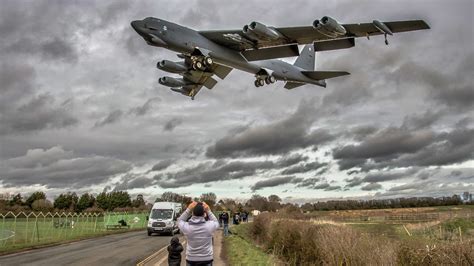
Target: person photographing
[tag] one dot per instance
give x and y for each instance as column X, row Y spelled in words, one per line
column 199, row 232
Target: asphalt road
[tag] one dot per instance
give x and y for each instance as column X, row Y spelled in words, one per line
column 120, row 249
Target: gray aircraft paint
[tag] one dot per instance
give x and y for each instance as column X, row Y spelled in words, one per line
column 186, row 41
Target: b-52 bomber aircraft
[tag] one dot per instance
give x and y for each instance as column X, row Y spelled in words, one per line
column 255, row 48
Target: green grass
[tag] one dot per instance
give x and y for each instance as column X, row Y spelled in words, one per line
column 20, row 233
column 239, row 251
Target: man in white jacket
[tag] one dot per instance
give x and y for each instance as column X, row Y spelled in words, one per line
column 199, row 234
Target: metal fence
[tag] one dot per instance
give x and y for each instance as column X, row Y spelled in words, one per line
column 29, row 229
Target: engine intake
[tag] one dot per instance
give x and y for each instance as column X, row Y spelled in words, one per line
column 257, row 31
column 329, row 27
column 172, row 67
column 172, row 82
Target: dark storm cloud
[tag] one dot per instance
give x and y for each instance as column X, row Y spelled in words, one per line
column 111, row 118
column 353, row 182
column 145, row 108
column 381, row 177
column 37, row 114
column 308, row 182
column 303, row 168
column 422, row 121
column 272, row 182
column 131, row 181
column 50, row 49
column 292, row 159
column 400, row 147
column 171, row 124
column 162, row 165
column 274, row 138
column 326, row 187
column 371, row 187
column 212, row 172
column 57, row 168
column 388, row 142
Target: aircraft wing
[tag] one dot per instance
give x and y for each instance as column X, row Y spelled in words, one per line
column 237, row 40
column 199, row 79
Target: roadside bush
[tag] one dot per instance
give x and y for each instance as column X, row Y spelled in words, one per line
column 303, row 243
column 261, row 227
column 454, row 253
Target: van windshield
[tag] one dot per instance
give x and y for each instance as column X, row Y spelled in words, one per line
column 164, row 214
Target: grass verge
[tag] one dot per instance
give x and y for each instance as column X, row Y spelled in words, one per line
column 239, row 251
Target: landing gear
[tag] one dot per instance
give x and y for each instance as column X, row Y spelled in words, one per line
column 270, row 80
column 197, row 65
column 261, row 81
column 386, row 41
column 208, row 61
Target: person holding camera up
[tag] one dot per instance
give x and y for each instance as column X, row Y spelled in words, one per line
column 199, row 232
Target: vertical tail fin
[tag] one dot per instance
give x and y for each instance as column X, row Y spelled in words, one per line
column 306, row 61
column 307, row 58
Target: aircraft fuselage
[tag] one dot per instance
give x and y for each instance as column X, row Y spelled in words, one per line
column 161, row 33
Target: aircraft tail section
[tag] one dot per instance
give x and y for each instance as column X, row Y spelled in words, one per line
column 307, row 58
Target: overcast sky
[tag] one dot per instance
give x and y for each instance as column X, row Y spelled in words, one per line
column 81, row 109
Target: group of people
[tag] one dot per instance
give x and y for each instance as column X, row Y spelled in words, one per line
column 198, row 224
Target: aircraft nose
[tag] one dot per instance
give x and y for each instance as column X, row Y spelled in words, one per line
column 137, row 25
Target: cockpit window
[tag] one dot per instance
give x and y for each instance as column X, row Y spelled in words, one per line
column 150, row 26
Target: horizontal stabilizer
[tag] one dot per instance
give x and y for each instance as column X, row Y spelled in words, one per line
column 271, row 53
column 320, row 75
column 334, row 44
column 291, row 85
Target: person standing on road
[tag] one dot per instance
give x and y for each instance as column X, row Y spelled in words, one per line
column 199, row 232
column 225, row 222
column 174, row 252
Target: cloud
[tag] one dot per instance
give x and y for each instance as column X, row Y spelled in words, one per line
column 111, row 118
column 145, row 108
column 57, row 168
column 272, row 182
column 212, row 172
column 303, row 168
column 37, row 114
column 162, row 165
column 275, row 138
column 131, row 181
column 371, row 187
column 172, row 124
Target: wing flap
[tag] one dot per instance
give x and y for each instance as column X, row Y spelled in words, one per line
column 334, row 44
column 321, row 75
column 364, row 29
column 271, row 53
column 291, row 85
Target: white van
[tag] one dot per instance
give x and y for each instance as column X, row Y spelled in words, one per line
column 163, row 218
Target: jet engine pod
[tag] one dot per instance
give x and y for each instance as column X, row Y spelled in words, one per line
column 258, row 31
column 329, row 27
column 172, row 67
column 172, row 82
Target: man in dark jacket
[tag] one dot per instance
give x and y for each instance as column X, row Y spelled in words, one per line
column 174, row 252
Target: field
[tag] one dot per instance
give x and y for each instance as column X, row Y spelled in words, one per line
column 417, row 236
column 19, row 231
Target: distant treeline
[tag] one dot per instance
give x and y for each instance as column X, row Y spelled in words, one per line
column 71, row 202
column 413, row 202
column 122, row 201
